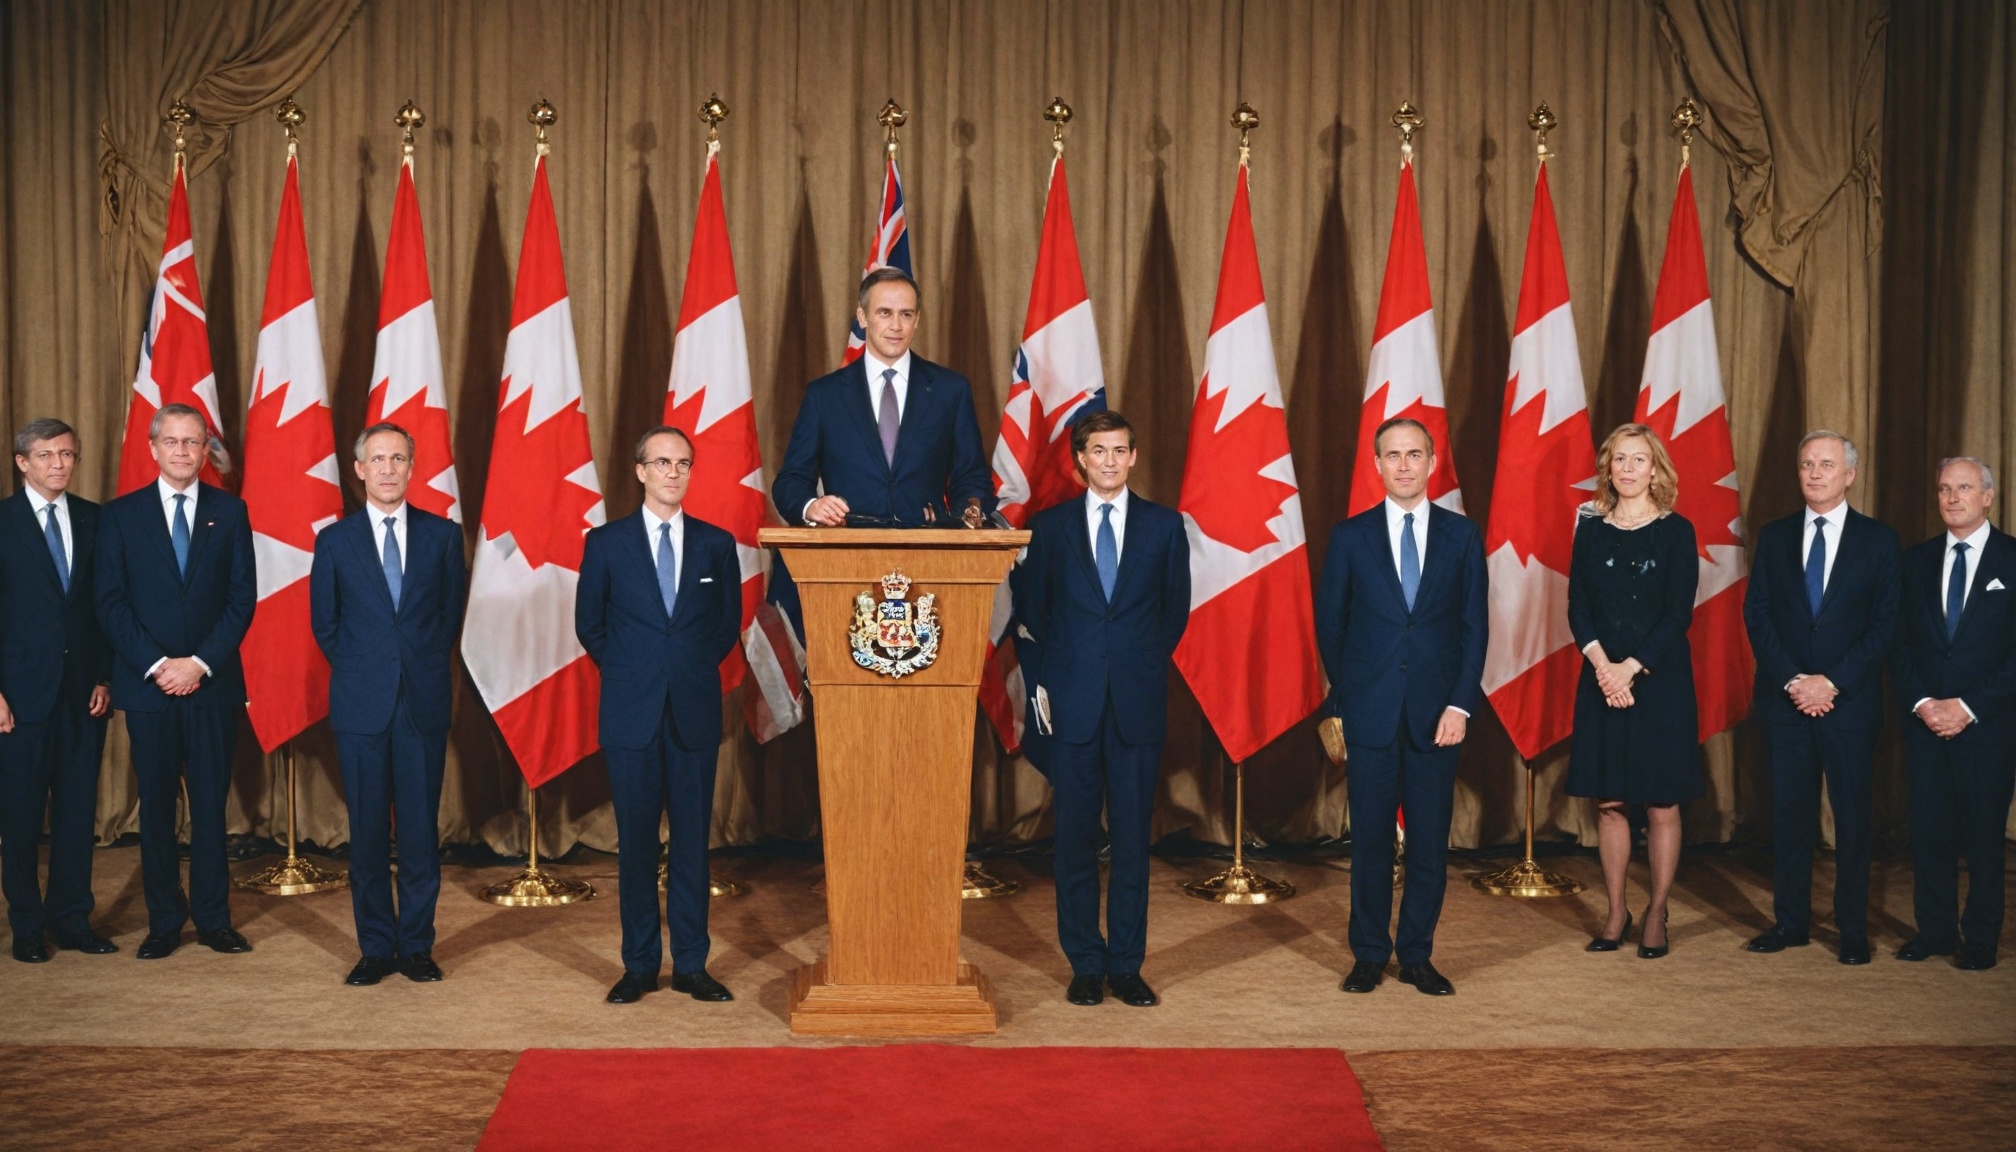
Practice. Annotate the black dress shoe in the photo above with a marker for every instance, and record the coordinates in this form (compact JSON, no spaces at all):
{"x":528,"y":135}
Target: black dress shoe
{"x":225,"y":940}
{"x":1364,"y":977}
{"x":1132,"y":990}
{"x":1854,"y":949}
{"x":420,"y":968}
{"x":701,"y":986}
{"x":632,"y":987}
{"x":1086,"y":991}
{"x":1605,"y":943}
{"x":1918,"y":948}
{"x":159,"y":945}
{"x":1776,"y":939}
{"x":31,"y":950}
{"x":1427,"y":980}
{"x":370,"y":970}
{"x":1975,"y":960}
{"x":86,"y":941}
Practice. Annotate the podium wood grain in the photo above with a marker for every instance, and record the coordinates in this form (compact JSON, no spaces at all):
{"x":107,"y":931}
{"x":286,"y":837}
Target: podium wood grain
{"x":895,"y":767}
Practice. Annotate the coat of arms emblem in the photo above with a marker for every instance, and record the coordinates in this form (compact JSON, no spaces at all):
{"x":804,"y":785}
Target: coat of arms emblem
{"x":893,"y":636}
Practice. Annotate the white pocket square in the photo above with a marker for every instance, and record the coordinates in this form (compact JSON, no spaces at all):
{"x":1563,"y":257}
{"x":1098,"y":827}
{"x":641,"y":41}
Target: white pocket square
{"x":1993,"y":586}
{"x":706,"y":579}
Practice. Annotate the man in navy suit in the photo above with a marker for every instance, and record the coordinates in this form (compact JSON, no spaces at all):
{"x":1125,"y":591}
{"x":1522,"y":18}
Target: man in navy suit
{"x":1820,"y":610}
{"x":1401,"y":619}
{"x":54,"y":672}
{"x":658,"y":608}
{"x":385,"y":596}
{"x":176,"y":589}
{"x":1954,"y":667}
{"x":1104,"y":594}
{"x":891,"y":437}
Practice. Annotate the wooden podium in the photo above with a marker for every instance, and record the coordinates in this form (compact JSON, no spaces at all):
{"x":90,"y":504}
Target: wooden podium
{"x":895,"y":779}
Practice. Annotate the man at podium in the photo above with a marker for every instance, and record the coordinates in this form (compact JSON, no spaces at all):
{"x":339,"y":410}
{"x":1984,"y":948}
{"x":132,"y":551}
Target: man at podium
{"x":889,"y":440}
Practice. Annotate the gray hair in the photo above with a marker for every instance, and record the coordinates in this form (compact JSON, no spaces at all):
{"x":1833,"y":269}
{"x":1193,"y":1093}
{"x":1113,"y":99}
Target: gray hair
{"x":887,"y":274}
{"x":1847,"y":446}
{"x":661,"y":430}
{"x":169,"y":412}
{"x":49,"y":428}
{"x":1987,"y":473}
{"x":382,"y":426}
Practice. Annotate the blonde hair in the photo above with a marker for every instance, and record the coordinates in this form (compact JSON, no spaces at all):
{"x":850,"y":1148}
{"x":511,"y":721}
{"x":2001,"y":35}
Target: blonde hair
{"x":1665,"y":486}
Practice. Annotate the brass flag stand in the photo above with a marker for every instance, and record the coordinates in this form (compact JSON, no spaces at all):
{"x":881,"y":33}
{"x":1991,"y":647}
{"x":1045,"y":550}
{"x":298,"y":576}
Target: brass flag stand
{"x":535,"y":887}
{"x":296,"y":875}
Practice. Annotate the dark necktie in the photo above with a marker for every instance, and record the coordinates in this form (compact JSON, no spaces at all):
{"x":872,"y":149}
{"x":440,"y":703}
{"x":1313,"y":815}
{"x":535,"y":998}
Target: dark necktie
{"x":178,"y":535}
{"x":888,"y":419}
{"x":394,"y":563}
{"x":668,"y":569}
{"x":1956,"y":590}
{"x":1816,"y":567}
{"x":55,"y":535}
{"x":1106,"y":552}
{"x":1410,"y":560}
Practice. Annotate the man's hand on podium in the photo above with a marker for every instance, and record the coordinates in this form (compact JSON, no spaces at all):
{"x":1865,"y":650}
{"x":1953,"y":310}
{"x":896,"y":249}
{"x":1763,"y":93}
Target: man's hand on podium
{"x":826,"y":511}
{"x":972,"y":516}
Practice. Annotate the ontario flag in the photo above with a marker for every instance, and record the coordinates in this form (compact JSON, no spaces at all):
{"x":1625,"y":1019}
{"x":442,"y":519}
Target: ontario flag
{"x":709,"y":397}
{"x":1682,"y":400}
{"x":1545,"y":455}
{"x":407,"y":387}
{"x":539,"y":501}
{"x":889,"y":249}
{"x":292,"y":489}
{"x":1056,"y":379}
{"x":1249,"y":654}
{"x":174,"y":354}
{"x":1403,"y":376}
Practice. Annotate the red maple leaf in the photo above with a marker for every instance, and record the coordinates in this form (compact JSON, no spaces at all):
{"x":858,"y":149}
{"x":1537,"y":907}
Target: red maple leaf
{"x":433,"y":450}
{"x":527,"y":494}
{"x":283,"y":498}
{"x":1703,"y":455}
{"x":1223,"y":490}
{"x":722,"y":456}
{"x":1534,"y":499}
{"x":1046,"y":457}
{"x":1367,"y":489}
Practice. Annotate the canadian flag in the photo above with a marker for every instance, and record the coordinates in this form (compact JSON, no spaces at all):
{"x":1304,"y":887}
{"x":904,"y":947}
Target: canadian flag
{"x":174,"y":354}
{"x":1403,"y":376}
{"x":407,"y":387}
{"x":1544,"y":473}
{"x":539,"y":500}
{"x":292,"y":490}
{"x":1682,"y":400}
{"x":1056,"y":379}
{"x":709,"y":397}
{"x":1249,"y":654}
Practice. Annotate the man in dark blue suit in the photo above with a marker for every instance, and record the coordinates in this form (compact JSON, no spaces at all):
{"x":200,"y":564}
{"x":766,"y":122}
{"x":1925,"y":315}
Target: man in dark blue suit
{"x":1820,"y":610}
{"x":1104,"y":594}
{"x":54,"y":672}
{"x":1401,"y":619}
{"x":891,"y":437}
{"x":176,"y":589}
{"x":658,"y":608}
{"x":1954,"y":668}
{"x":385,"y":596}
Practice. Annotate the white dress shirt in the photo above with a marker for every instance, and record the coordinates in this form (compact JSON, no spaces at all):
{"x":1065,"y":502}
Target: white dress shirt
{"x":875,"y":368}
{"x":398,"y":516}
{"x":1092,"y":518}
{"x":1396,"y":523}
{"x":1836,"y":521}
{"x":168,"y":492}
{"x":652,"y":522}
{"x":62,"y":506}
{"x":1970,"y":558}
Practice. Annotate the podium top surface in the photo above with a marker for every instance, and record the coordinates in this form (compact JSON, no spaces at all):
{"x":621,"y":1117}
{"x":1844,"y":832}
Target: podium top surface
{"x":931,"y":538}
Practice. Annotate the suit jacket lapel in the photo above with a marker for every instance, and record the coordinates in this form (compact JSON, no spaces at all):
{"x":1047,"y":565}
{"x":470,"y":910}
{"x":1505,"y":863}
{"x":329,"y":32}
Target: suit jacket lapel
{"x":1975,"y":587}
{"x":637,"y":544}
{"x":364,"y":539}
{"x":691,"y":565}
{"x":1851,"y":538}
{"x":1081,"y":547}
{"x":862,"y":404}
{"x":157,"y":528}
{"x":1389,"y":566}
{"x":22,"y":513}
{"x":920,"y":396}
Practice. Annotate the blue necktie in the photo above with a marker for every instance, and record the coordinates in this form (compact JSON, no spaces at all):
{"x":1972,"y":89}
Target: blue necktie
{"x":394,"y":563}
{"x":179,"y":537}
{"x":1956,"y":590}
{"x":55,"y":535}
{"x":1410,"y":560}
{"x":1106,"y":552}
{"x":668,"y":569}
{"x":1816,"y":567}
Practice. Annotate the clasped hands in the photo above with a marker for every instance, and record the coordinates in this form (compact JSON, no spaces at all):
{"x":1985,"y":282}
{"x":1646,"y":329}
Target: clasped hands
{"x":1615,"y":680}
{"x":1812,"y":694}
{"x":179,"y":675}
{"x":1946,"y":718}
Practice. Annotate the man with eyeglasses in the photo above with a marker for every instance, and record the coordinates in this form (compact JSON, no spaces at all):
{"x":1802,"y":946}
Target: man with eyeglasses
{"x":659,"y":606}
{"x":54,"y":696}
{"x":385,"y":598}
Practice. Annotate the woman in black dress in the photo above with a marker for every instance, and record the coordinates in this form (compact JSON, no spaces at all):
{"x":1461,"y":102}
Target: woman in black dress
{"x":1630,"y":601}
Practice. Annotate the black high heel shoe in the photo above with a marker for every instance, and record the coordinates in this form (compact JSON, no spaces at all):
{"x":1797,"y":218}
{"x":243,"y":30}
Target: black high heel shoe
{"x":1605,"y":943}
{"x":1646,"y":951}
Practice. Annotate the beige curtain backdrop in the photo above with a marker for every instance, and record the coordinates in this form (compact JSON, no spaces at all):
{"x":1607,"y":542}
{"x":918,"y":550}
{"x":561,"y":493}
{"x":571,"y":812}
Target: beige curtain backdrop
{"x":1815,"y":327}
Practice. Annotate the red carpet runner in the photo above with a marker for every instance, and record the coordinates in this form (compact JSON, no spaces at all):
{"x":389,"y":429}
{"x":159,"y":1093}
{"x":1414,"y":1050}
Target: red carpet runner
{"x":912,"y":1096}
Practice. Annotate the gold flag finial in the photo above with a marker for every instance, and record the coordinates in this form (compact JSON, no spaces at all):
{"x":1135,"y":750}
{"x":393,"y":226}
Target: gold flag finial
{"x":1058,"y":114}
{"x":1543,"y":121}
{"x":892,"y":117}
{"x":1245,"y":119}
{"x":291,"y":117}
{"x":712,"y":112}
{"x":409,"y":118}
{"x":1686,"y":118}
{"x":180,"y":116}
{"x":1408,"y":121}
{"x":542,"y":115}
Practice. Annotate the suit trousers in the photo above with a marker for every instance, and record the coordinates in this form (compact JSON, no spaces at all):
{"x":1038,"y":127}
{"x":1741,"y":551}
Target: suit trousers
{"x":52,"y":767}
{"x":643,"y":785}
{"x":1116,"y":780}
{"x":1382,"y":780}
{"x":1801,"y":755}
{"x":392,"y":779}
{"x":1960,"y":793}
{"x":184,"y":745}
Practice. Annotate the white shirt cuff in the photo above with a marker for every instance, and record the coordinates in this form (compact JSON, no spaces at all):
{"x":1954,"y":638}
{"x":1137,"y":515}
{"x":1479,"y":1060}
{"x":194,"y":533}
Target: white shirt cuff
{"x":154,"y":667}
{"x":1459,"y":712}
{"x":805,"y":513}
